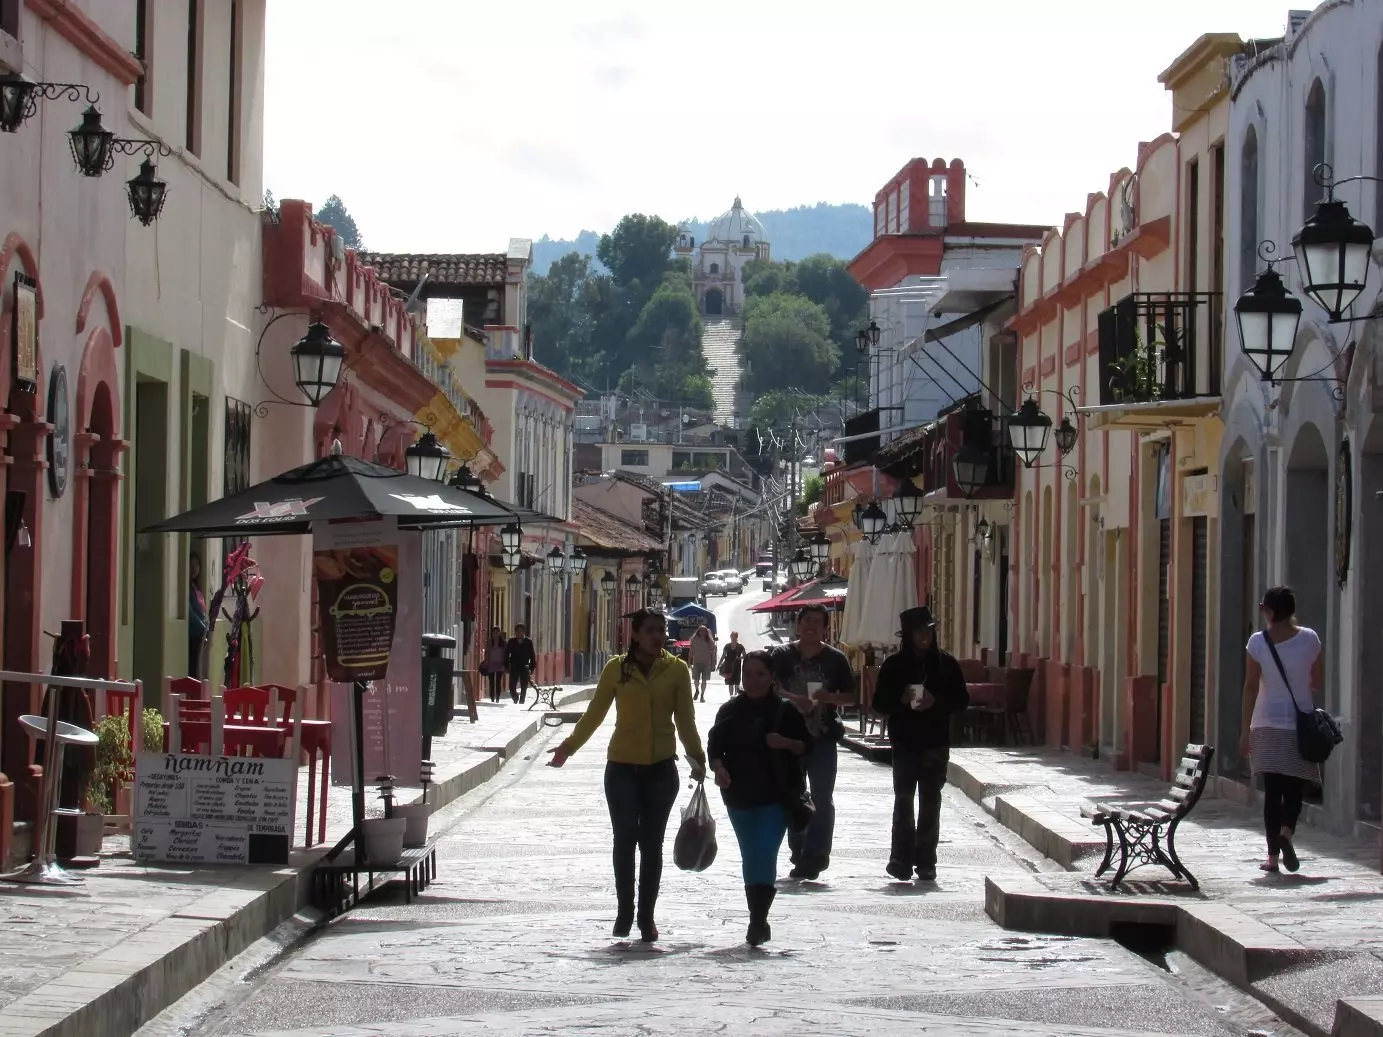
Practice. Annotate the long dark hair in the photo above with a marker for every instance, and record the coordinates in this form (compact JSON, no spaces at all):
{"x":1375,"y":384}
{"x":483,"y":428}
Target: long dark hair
{"x":637,"y":619}
{"x":767,"y":659}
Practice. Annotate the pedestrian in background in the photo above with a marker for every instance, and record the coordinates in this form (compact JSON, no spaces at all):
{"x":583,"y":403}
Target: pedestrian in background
{"x":817,"y":679}
{"x":1283,"y":673}
{"x":522,"y":659}
{"x":920,"y":687}
{"x":755,"y":748}
{"x":494,"y":666}
{"x":703,"y":659}
{"x":651,"y":692}
{"x":731,"y":661}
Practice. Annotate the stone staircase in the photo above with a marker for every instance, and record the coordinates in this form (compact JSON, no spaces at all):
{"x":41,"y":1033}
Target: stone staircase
{"x":718,"y":345}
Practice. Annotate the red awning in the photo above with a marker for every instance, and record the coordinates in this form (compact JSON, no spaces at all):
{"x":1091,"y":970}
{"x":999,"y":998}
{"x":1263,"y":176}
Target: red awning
{"x":827,"y":592}
{"x":777,"y":603}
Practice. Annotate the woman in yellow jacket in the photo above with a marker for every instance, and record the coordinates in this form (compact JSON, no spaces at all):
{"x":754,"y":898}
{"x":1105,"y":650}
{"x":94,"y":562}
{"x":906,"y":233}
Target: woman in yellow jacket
{"x":651,"y":691}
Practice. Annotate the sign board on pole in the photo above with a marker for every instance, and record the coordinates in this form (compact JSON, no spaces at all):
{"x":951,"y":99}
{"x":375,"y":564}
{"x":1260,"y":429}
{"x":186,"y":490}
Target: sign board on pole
{"x":192,"y":809}
{"x":356,"y":566}
{"x":393,"y":706}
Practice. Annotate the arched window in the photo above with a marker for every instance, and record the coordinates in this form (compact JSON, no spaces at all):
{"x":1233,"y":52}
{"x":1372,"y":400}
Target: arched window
{"x":715,"y":268}
{"x":1248,"y":210}
{"x":1314,"y":129}
{"x":746,"y":241}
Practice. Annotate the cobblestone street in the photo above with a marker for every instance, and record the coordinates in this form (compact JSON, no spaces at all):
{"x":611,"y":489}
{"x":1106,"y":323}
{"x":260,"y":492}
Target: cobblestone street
{"x":514,"y":939}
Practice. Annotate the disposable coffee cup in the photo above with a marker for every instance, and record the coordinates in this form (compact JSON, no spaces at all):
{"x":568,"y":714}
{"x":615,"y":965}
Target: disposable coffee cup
{"x":917,"y":695}
{"x":814,"y":691}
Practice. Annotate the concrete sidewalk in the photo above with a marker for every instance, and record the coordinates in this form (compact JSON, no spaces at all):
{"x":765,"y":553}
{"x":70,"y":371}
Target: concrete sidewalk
{"x":1310,"y":945}
{"x":106,"y":956}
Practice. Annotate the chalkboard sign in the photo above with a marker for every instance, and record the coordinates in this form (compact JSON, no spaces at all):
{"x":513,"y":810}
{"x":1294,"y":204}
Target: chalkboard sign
{"x":193,"y":809}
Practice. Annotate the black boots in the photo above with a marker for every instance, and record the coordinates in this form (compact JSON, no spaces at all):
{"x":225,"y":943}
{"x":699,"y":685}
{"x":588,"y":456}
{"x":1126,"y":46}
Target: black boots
{"x":760,"y":899}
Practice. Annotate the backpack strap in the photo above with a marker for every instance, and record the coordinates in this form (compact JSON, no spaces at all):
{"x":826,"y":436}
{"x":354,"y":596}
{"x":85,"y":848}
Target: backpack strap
{"x":1282,"y":670}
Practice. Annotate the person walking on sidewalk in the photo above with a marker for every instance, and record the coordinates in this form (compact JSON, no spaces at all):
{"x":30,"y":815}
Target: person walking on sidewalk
{"x":919,"y":688}
{"x":494,"y":665}
{"x":731,"y":662}
{"x":1283,"y":673}
{"x":703,"y":659}
{"x":651,"y":692}
{"x":522,"y":660}
{"x":817,"y":679}
{"x":754,"y":749}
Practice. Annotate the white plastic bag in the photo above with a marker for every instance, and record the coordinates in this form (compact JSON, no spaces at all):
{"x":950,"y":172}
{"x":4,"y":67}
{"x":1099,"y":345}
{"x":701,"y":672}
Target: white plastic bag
{"x":694,"y":849}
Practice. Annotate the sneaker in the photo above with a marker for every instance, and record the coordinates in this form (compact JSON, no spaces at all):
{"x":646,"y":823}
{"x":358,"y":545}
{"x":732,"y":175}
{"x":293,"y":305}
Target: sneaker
{"x":926,"y":874}
{"x":899,"y":870}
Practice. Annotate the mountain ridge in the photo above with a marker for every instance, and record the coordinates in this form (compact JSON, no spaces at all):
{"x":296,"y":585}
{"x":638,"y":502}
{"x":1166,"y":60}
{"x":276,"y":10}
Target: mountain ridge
{"x":841,"y":231}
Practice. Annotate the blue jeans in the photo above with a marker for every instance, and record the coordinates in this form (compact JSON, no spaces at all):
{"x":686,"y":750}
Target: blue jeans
{"x":759,"y":831}
{"x":813,"y":847}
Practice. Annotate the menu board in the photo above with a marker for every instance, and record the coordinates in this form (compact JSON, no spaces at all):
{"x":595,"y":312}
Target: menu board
{"x":392,"y":708}
{"x":213,"y":809}
{"x":356,"y":566}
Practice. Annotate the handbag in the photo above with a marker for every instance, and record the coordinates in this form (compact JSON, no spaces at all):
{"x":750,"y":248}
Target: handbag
{"x":1317,"y":732}
{"x":796,"y":800}
{"x":694,"y":849}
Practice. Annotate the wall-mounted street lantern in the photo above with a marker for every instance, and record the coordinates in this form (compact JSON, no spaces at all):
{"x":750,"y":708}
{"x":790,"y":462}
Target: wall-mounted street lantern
{"x":92,"y":144}
{"x":872,"y":522}
{"x":820,"y":549}
{"x":907,"y":503}
{"x":511,"y":560}
{"x":577,"y":562}
{"x":556,"y":561}
{"x":1028,"y":431}
{"x":802,"y":566}
{"x":427,"y":458}
{"x":607,"y":582}
{"x":19,"y":98}
{"x":511,"y":536}
{"x":317,"y":362}
{"x":633,"y":584}
{"x":146,"y":193}
{"x":1268,"y":315}
{"x":971,"y":469}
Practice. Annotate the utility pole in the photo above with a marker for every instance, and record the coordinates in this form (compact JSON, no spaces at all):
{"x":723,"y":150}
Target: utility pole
{"x":792,"y":495}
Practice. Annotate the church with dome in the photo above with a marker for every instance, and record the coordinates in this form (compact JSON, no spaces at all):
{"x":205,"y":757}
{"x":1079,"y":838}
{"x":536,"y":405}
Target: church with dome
{"x":717,"y":263}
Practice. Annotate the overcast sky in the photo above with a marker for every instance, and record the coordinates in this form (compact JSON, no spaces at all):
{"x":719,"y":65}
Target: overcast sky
{"x":454,"y":125}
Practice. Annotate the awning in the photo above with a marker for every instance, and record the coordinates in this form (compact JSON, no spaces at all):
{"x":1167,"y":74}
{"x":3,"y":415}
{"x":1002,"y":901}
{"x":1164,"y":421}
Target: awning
{"x":1150,"y":415}
{"x":968,"y":321}
{"x":777,"y":603}
{"x":827,"y":593}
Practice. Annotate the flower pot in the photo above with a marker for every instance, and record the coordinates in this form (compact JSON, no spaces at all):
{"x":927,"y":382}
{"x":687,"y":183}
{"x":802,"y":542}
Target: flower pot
{"x":383,"y":838}
{"x":416,"y":815}
{"x":78,"y":841}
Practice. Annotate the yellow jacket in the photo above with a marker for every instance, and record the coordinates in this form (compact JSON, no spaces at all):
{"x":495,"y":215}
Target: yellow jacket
{"x":645,"y":708}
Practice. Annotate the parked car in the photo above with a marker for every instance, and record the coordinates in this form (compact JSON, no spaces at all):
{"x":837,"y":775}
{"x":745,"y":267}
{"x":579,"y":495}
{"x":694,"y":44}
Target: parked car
{"x":733,"y":583}
{"x":711,"y":583}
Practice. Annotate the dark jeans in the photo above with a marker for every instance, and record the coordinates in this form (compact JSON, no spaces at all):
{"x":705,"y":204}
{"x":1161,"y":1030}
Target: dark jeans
{"x":640,"y":799}
{"x":496,"y":680}
{"x":813,"y":846}
{"x":519,"y":683}
{"x":1281,"y":807}
{"x":917,"y":773}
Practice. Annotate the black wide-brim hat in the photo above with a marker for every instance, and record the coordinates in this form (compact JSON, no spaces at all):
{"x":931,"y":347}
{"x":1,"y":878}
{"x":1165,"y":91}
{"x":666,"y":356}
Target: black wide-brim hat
{"x":911,"y":619}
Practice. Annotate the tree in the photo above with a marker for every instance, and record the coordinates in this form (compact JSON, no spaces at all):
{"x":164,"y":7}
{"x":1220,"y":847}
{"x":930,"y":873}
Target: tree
{"x":666,"y":344}
{"x":812,"y":490}
{"x":781,"y":407}
{"x":639,"y":249}
{"x":824,"y":280}
{"x":562,"y":311}
{"x":786,"y":344}
{"x":333,"y":213}
{"x":767,"y":276}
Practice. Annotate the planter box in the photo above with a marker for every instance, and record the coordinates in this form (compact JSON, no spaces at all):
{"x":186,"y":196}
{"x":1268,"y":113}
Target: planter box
{"x":79,"y":838}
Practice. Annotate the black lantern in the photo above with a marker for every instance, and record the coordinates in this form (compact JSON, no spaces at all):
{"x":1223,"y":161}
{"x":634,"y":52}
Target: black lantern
{"x":607,"y":582}
{"x":511,"y":560}
{"x":317,"y":360}
{"x":511,"y":536}
{"x":1268,"y":315}
{"x":464,"y":479}
{"x":577,"y":562}
{"x":907,"y":502}
{"x":1065,"y":437}
{"x":633,"y":583}
{"x":655,"y":594}
{"x":862,"y":341}
{"x":873,"y":521}
{"x":92,"y":145}
{"x":1333,"y":252}
{"x":556,"y":561}
{"x":874,"y":333}
{"x":821,"y":549}
{"x":801,"y":567}
{"x":971,"y":469}
{"x":146,"y":193}
{"x":1028,"y":431}
{"x":857,"y":516}
{"x":889,"y":507}
{"x":983,"y":532}
{"x":18,"y":101}
{"x":427,"y":458}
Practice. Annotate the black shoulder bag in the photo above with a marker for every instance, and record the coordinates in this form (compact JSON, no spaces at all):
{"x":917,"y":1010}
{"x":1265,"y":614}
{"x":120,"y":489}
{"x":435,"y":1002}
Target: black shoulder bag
{"x":791,"y":785}
{"x":1317,"y":732}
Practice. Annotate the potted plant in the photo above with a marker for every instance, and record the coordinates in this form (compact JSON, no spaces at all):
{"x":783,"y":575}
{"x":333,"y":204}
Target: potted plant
{"x":1134,"y":374}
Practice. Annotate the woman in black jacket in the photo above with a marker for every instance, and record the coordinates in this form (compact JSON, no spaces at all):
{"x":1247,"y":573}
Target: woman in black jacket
{"x":754,"y":750}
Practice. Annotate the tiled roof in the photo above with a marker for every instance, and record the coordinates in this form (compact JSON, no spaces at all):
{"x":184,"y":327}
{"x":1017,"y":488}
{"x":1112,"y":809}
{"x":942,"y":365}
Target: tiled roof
{"x":398,"y":268}
{"x":903,"y":448}
{"x":605,"y":530}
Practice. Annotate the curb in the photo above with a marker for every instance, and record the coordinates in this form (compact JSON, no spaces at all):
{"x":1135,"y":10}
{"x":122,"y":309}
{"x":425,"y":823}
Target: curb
{"x":122,"y":988}
{"x":1358,"y":1017}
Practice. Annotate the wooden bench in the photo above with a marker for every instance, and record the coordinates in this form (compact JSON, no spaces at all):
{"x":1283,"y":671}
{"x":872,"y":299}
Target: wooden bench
{"x":1147,"y":831}
{"x":336,"y":885}
{"x":545,"y":696}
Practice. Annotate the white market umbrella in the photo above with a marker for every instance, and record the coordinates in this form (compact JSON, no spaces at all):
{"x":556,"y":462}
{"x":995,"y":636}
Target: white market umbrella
{"x":857,"y":592}
{"x":904,"y":578}
{"x":879,"y":618}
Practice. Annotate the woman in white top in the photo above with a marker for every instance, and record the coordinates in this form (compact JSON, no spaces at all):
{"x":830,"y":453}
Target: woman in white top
{"x":1269,"y":725}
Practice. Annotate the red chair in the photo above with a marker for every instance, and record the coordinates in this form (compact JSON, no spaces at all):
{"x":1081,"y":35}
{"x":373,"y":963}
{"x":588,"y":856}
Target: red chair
{"x":248,"y":706}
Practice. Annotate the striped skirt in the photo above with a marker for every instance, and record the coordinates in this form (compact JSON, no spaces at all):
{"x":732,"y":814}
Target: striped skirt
{"x":1273,"y":750}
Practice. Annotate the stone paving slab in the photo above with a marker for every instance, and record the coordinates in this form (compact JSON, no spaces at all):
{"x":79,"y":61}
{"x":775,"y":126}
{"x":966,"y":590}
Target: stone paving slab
{"x":1246,"y":925}
{"x":103,"y":957}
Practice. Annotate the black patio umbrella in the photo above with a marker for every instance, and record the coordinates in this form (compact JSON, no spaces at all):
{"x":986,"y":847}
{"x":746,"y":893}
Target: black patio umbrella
{"x":337,"y":487}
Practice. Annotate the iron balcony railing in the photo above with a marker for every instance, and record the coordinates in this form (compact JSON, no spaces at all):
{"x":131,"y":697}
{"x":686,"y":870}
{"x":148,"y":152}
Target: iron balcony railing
{"x":1161,"y":346}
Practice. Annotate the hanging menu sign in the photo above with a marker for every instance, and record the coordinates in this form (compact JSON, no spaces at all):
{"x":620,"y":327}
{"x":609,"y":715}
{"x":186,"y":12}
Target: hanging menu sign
{"x":213,"y":809}
{"x":356,"y":565}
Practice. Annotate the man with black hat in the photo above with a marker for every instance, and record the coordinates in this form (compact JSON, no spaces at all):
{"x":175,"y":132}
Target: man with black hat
{"x":919,"y":688}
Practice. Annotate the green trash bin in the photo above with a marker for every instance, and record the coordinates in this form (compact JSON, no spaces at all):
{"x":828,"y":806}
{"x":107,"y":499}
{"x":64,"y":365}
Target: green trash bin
{"x":439,"y":694}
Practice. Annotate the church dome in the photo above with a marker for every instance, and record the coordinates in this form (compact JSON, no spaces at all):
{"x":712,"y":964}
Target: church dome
{"x":735,"y":226}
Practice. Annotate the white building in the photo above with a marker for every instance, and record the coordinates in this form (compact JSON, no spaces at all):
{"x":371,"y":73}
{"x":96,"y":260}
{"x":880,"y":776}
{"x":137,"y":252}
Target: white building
{"x":1302,"y":460}
{"x":732,"y":240}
